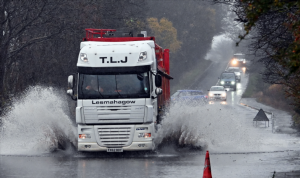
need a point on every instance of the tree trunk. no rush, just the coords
(2, 55)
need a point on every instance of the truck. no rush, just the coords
(122, 87)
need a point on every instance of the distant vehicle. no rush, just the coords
(238, 60)
(190, 97)
(236, 71)
(217, 93)
(227, 79)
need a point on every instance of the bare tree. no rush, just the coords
(41, 39)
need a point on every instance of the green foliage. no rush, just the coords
(288, 57)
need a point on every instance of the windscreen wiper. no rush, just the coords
(117, 87)
(98, 87)
(81, 86)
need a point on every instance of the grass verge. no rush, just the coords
(271, 95)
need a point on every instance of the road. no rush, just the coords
(237, 149)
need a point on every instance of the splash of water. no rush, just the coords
(215, 127)
(37, 123)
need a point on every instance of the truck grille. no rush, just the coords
(217, 94)
(115, 136)
(114, 114)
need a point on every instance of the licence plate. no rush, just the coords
(114, 149)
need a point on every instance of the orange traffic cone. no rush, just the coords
(207, 170)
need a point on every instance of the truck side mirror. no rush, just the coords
(70, 92)
(158, 80)
(71, 81)
(158, 91)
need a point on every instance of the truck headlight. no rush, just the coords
(83, 57)
(84, 136)
(232, 83)
(145, 135)
(238, 73)
(222, 82)
(142, 56)
(210, 94)
(244, 62)
(233, 61)
(223, 94)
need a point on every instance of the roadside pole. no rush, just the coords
(273, 122)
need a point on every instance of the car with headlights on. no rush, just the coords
(189, 97)
(236, 71)
(228, 80)
(238, 60)
(217, 93)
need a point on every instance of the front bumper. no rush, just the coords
(135, 146)
(217, 98)
(102, 137)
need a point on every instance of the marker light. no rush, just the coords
(84, 136)
(145, 135)
(142, 56)
(232, 82)
(83, 57)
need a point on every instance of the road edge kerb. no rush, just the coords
(255, 108)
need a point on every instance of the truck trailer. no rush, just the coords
(122, 86)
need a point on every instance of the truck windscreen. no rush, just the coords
(114, 86)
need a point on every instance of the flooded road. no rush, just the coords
(188, 165)
(237, 149)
